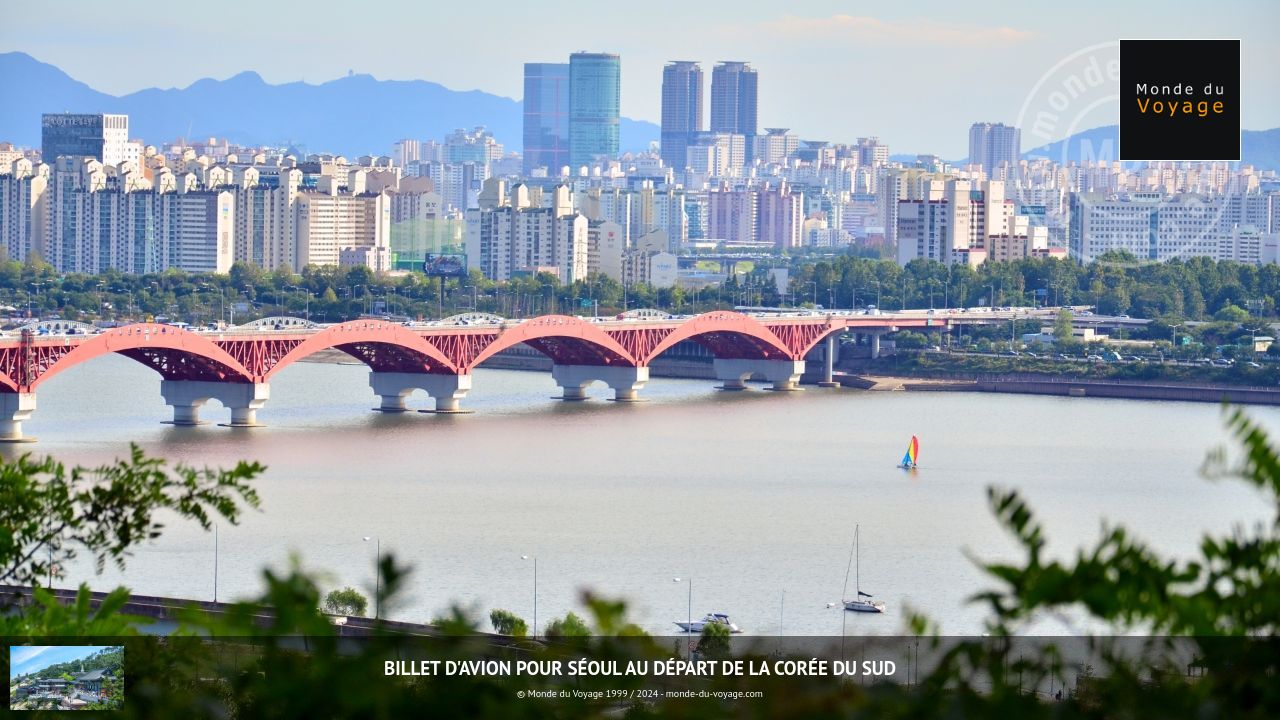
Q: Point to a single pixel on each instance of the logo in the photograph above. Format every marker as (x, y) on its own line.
(1180, 100)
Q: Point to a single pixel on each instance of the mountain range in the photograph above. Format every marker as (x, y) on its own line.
(1259, 148)
(345, 116)
(353, 115)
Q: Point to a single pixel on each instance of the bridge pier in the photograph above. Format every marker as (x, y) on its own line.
(14, 409)
(734, 372)
(188, 396)
(394, 388)
(626, 381)
(829, 362)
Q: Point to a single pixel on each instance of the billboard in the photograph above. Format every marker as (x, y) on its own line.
(445, 265)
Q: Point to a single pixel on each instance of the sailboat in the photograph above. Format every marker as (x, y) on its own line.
(913, 452)
(858, 603)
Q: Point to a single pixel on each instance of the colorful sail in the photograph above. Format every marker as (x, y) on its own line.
(913, 452)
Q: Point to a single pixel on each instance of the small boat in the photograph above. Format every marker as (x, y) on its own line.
(708, 619)
(913, 452)
(858, 603)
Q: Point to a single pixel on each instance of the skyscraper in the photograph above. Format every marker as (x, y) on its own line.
(991, 145)
(681, 110)
(734, 88)
(595, 81)
(546, 116)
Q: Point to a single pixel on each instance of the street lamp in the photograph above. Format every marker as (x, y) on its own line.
(215, 562)
(689, 626)
(535, 592)
(377, 588)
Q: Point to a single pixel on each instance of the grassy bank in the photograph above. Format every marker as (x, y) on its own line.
(962, 364)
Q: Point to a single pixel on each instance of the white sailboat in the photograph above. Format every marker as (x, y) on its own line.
(861, 601)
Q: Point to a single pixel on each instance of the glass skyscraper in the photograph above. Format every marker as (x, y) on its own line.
(681, 110)
(734, 101)
(595, 81)
(546, 116)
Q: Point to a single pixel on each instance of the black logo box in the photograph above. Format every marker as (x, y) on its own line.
(1186, 65)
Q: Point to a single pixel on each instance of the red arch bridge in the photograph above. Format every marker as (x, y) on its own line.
(235, 365)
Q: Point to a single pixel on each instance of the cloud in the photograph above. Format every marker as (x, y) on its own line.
(870, 30)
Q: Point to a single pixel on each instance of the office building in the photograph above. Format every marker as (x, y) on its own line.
(681, 111)
(546, 117)
(102, 137)
(595, 81)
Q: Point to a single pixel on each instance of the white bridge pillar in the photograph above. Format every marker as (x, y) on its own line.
(875, 345)
(187, 397)
(829, 362)
(784, 374)
(626, 381)
(395, 387)
(15, 408)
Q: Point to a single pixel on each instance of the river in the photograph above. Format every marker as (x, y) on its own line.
(754, 496)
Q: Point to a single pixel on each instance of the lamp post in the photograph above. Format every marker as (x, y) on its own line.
(215, 562)
(535, 592)
(815, 293)
(689, 626)
(377, 588)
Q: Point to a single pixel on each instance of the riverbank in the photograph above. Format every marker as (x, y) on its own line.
(892, 376)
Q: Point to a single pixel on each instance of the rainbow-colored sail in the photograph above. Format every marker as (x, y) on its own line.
(913, 452)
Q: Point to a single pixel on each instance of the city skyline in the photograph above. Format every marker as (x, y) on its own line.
(815, 61)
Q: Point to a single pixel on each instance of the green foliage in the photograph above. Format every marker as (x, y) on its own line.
(1063, 326)
(347, 601)
(49, 515)
(1232, 314)
(506, 622)
(570, 626)
(713, 643)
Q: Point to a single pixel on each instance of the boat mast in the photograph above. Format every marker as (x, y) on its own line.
(857, 578)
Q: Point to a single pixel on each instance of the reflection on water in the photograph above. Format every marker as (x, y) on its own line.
(749, 494)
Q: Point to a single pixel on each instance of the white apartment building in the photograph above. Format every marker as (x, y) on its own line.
(1155, 226)
(22, 208)
(328, 222)
(507, 234)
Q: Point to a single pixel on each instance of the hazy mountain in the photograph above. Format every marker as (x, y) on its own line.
(353, 115)
(1259, 148)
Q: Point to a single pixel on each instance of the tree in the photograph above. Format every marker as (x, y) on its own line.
(506, 622)
(347, 601)
(1232, 314)
(49, 514)
(1063, 325)
(571, 626)
(714, 641)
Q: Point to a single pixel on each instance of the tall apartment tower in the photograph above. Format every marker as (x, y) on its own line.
(595, 83)
(546, 117)
(734, 101)
(994, 144)
(102, 137)
(681, 110)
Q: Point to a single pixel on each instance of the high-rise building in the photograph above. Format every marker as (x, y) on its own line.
(994, 145)
(104, 138)
(595, 82)
(681, 110)
(734, 87)
(546, 117)
(22, 209)
(508, 233)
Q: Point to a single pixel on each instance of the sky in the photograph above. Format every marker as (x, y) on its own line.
(916, 74)
(24, 659)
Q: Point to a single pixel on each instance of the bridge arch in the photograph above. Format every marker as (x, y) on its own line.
(566, 340)
(382, 345)
(175, 353)
(728, 335)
